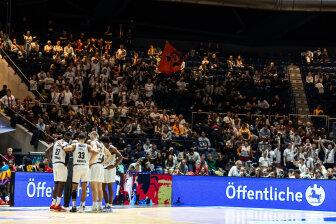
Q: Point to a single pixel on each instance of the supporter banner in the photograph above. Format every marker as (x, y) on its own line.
(143, 189)
(171, 59)
(35, 190)
(255, 192)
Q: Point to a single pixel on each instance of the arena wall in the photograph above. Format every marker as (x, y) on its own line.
(19, 139)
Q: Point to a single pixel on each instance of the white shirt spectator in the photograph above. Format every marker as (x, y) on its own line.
(265, 162)
(41, 75)
(329, 155)
(309, 162)
(234, 172)
(155, 116)
(275, 155)
(289, 154)
(33, 85)
(121, 54)
(67, 96)
(58, 48)
(228, 120)
(302, 168)
(70, 76)
(147, 148)
(68, 51)
(48, 48)
(309, 79)
(8, 101)
(48, 82)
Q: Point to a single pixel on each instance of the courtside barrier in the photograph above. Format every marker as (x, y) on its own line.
(294, 194)
(35, 190)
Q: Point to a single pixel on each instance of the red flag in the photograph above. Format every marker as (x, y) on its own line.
(171, 60)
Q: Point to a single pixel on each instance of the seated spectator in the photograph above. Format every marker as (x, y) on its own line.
(244, 133)
(239, 62)
(48, 49)
(136, 167)
(159, 163)
(192, 158)
(202, 169)
(148, 167)
(69, 51)
(151, 52)
(8, 156)
(183, 168)
(264, 161)
(177, 129)
(235, 170)
(170, 163)
(211, 164)
(318, 110)
(204, 144)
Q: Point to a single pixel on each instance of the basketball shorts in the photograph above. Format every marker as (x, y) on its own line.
(110, 175)
(60, 172)
(97, 173)
(80, 173)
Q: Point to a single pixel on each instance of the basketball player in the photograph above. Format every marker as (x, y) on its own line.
(110, 173)
(81, 168)
(59, 169)
(97, 170)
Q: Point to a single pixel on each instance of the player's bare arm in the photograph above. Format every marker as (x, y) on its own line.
(69, 148)
(115, 151)
(47, 152)
(94, 154)
(108, 155)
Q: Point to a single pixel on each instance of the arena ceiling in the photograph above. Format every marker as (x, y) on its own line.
(184, 19)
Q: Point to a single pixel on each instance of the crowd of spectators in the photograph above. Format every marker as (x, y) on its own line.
(85, 84)
(319, 78)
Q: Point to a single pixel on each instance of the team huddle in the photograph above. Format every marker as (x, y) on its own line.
(94, 161)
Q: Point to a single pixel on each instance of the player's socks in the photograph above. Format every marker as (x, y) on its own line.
(58, 201)
(6, 198)
(73, 203)
(82, 204)
(53, 201)
(100, 204)
(94, 205)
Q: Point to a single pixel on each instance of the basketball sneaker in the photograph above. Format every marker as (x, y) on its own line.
(59, 208)
(81, 209)
(73, 209)
(93, 209)
(108, 209)
(52, 208)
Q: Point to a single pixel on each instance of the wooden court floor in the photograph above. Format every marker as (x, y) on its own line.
(167, 215)
(148, 215)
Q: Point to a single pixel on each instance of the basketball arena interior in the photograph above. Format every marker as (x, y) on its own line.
(167, 111)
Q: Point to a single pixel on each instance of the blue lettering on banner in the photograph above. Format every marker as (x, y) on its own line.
(36, 189)
(255, 192)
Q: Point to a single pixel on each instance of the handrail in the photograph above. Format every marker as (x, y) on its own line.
(19, 71)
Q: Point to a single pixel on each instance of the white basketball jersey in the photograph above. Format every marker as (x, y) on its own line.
(81, 154)
(58, 153)
(111, 160)
(99, 157)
